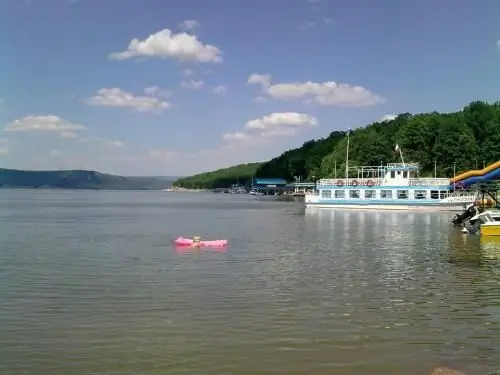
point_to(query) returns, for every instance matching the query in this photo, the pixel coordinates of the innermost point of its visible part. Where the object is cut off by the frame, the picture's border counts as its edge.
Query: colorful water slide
(490, 173)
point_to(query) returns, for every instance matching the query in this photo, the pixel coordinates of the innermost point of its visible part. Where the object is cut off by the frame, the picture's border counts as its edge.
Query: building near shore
(270, 185)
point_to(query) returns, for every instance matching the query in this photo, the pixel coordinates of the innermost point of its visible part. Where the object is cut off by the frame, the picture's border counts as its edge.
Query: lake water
(90, 284)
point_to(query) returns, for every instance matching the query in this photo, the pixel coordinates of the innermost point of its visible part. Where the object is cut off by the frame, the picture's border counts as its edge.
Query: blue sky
(246, 81)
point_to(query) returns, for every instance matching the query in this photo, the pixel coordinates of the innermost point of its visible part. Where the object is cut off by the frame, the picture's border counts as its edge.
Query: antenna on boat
(347, 157)
(398, 149)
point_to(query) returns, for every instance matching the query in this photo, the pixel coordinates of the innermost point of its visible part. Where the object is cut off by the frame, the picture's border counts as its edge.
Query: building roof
(270, 181)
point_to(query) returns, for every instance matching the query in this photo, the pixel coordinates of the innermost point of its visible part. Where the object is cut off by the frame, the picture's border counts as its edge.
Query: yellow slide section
(475, 173)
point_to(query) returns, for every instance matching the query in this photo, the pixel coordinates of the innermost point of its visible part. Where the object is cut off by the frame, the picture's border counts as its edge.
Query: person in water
(196, 241)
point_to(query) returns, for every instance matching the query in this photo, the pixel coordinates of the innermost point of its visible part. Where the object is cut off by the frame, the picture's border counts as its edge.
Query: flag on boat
(397, 147)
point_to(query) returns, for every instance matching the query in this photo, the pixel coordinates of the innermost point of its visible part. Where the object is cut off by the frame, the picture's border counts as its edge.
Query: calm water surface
(90, 284)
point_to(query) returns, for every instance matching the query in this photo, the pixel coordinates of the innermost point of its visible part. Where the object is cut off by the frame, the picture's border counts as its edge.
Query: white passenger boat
(395, 186)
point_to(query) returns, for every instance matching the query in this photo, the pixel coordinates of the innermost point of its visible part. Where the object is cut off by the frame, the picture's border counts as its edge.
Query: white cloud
(165, 44)
(328, 20)
(4, 151)
(106, 156)
(187, 72)
(193, 85)
(498, 43)
(276, 120)
(106, 143)
(327, 93)
(158, 92)
(277, 124)
(388, 117)
(48, 123)
(234, 136)
(69, 135)
(115, 143)
(220, 90)
(189, 25)
(259, 79)
(116, 97)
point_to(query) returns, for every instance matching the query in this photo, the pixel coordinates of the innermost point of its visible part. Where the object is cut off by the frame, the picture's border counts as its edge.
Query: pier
(301, 188)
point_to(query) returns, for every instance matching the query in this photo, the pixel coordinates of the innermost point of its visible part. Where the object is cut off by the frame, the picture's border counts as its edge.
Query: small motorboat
(181, 241)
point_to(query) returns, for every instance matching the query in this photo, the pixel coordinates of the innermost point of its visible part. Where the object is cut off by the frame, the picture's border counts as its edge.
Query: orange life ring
(354, 183)
(340, 183)
(369, 183)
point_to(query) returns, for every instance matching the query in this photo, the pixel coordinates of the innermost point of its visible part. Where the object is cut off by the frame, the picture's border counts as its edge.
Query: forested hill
(470, 138)
(221, 178)
(77, 179)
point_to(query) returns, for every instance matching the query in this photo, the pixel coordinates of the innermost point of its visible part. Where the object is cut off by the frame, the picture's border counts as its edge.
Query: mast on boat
(398, 149)
(347, 156)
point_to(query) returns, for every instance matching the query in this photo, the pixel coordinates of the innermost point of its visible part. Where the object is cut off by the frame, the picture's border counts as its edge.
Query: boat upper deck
(391, 175)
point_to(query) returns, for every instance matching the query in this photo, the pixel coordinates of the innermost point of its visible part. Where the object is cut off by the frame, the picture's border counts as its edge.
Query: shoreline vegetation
(220, 178)
(439, 142)
(466, 139)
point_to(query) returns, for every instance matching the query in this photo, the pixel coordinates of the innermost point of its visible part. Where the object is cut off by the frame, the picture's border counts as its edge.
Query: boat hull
(490, 229)
(451, 203)
(394, 207)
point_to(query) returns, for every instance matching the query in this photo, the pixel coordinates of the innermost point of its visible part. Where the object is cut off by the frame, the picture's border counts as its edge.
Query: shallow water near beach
(90, 284)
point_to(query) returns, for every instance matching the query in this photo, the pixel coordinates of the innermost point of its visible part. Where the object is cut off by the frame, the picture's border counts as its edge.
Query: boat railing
(400, 165)
(350, 182)
(429, 181)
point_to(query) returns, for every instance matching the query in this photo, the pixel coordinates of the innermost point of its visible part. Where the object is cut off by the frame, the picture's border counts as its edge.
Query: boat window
(434, 194)
(443, 194)
(370, 194)
(393, 174)
(339, 194)
(326, 193)
(405, 174)
(386, 194)
(354, 194)
(420, 194)
(402, 194)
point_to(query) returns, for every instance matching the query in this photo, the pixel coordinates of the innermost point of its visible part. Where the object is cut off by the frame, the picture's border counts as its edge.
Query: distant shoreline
(177, 189)
(78, 180)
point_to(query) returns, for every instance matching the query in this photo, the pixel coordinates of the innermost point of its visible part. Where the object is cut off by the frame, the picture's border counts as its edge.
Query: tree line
(467, 139)
(221, 178)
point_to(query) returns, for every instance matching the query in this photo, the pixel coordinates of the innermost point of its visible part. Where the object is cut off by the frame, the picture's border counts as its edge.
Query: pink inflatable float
(181, 241)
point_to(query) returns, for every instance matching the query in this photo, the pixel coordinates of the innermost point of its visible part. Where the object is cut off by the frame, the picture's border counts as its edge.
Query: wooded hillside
(470, 138)
(77, 179)
(221, 178)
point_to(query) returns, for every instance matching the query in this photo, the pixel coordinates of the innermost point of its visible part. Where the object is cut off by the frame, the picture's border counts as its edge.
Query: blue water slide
(490, 176)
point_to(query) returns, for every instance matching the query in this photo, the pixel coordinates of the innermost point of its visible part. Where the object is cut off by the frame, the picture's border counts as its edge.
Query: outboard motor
(470, 211)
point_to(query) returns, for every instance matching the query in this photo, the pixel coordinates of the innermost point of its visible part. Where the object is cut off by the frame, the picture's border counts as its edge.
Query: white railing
(341, 182)
(401, 165)
(429, 181)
